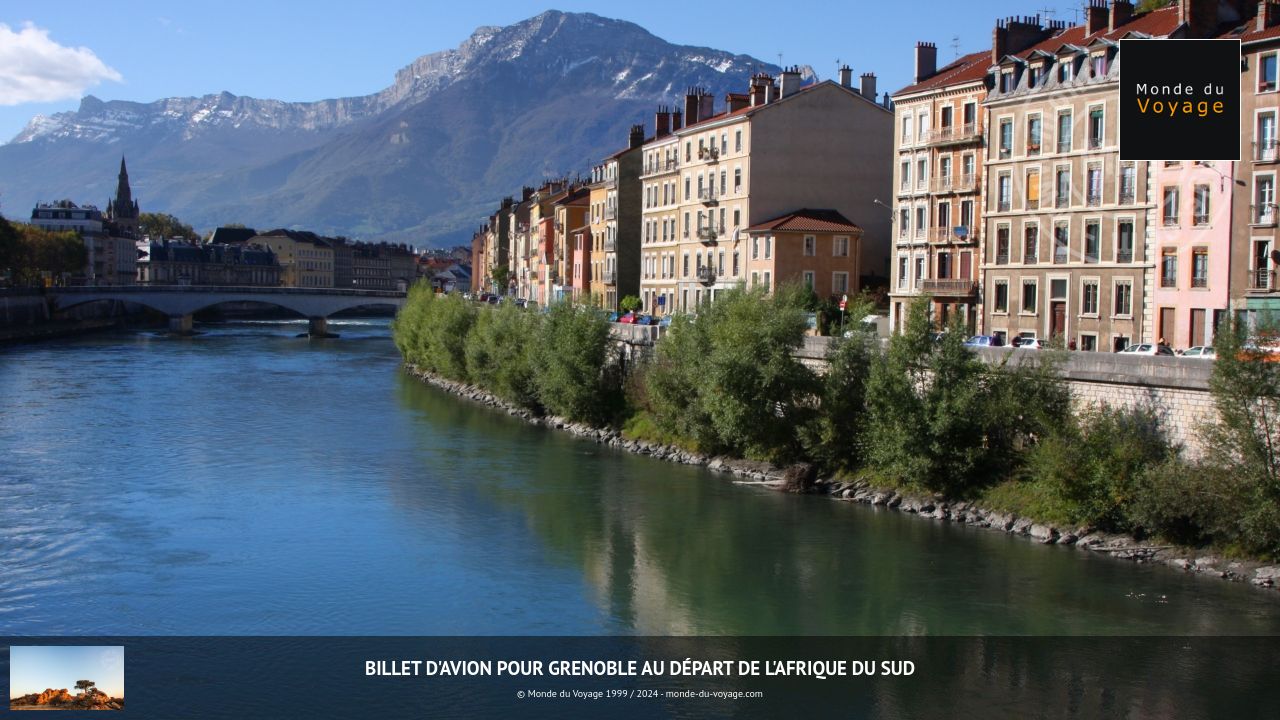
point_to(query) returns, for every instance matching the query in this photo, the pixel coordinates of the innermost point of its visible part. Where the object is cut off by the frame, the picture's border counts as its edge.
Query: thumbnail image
(66, 677)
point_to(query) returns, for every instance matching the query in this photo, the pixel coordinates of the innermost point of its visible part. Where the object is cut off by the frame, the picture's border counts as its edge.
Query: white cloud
(34, 68)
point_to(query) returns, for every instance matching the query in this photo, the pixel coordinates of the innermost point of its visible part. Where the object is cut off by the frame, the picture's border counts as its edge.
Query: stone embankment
(800, 478)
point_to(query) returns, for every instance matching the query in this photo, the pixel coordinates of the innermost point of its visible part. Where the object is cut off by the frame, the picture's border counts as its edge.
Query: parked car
(1205, 352)
(628, 319)
(645, 320)
(614, 317)
(664, 321)
(1148, 349)
(984, 341)
(1028, 343)
(494, 299)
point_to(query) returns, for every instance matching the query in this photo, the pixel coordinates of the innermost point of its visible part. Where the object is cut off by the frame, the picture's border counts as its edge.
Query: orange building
(819, 248)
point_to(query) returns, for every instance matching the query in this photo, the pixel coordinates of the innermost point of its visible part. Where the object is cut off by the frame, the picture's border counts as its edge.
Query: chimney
(1268, 14)
(706, 104)
(526, 193)
(735, 101)
(1200, 17)
(758, 83)
(770, 92)
(1095, 16)
(636, 139)
(790, 81)
(1015, 34)
(846, 76)
(868, 88)
(926, 60)
(1121, 11)
(677, 121)
(662, 122)
(691, 106)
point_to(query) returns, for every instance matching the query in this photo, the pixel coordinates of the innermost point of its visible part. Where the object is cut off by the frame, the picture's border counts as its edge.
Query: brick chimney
(1200, 17)
(846, 76)
(868, 87)
(1015, 34)
(662, 122)
(706, 104)
(759, 82)
(636, 138)
(1096, 16)
(1268, 15)
(789, 81)
(770, 92)
(692, 104)
(677, 120)
(736, 101)
(1121, 11)
(926, 60)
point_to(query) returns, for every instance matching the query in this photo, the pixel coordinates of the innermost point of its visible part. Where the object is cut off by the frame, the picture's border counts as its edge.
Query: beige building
(305, 259)
(776, 149)
(1255, 287)
(937, 179)
(593, 274)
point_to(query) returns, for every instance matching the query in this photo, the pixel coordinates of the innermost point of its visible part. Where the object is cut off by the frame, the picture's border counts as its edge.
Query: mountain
(421, 161)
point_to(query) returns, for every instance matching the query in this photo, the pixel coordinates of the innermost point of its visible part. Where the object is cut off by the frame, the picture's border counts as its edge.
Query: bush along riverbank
(923, 427)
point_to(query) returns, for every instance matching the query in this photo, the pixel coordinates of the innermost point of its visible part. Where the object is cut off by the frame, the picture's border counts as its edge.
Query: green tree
(499, 352)
(446, 322)
(163, 225)
(84, 685)
(837, 436)
(569, 364)
(501, 276)
(630, 303)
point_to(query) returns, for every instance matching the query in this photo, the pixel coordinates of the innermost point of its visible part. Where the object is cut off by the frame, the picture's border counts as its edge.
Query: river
(249, 482)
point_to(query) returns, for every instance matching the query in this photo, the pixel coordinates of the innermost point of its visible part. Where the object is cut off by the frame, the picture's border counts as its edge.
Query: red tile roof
(966, 69)
(807, 220)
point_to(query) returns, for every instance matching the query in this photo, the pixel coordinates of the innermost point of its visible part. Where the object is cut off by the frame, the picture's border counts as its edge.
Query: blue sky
(51, 54)
(34, 669)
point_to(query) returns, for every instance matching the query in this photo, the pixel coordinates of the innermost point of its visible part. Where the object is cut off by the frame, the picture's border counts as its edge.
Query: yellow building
(305, 259)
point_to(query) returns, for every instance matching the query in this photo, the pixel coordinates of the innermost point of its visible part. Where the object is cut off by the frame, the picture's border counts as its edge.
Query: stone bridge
(180, 302)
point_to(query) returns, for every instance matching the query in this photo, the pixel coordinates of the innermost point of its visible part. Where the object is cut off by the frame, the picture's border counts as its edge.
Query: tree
(569, 364)
(838, 434)
(501, 275)
(84, 685)
(163, 225)
(630, 303)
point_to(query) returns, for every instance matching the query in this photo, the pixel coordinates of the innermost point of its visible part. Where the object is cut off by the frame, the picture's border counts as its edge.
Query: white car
(1029, 343)
(1147, 349)
(1205, 352)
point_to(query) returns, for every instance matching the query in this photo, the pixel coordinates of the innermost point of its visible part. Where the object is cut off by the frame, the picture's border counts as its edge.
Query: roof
(965, 69)
(1248, 32)
(807, 220)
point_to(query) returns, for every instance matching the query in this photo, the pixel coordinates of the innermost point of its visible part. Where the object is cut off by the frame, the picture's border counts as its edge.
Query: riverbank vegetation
(923, 415)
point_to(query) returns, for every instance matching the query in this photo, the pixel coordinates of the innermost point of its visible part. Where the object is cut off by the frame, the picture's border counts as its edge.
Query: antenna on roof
(955, 45)
(780, 59)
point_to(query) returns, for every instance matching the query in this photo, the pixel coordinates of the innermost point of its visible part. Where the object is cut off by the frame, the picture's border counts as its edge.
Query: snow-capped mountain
(420, 160)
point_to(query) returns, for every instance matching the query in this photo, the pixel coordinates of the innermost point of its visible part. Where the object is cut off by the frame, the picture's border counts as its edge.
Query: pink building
(581, 267)
(1191, 250)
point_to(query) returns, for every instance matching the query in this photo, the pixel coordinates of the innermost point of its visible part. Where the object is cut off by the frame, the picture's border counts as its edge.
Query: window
(905, 182)
(1096, 132)
(839, 283)
(902, 272)
(922, 221)
(1064, 71)
(1004, 190)
(1202, 205)
(735, 263)
(1062, 193)
(1200, 268)
(1124, 241)
(1088, 342)
(840, 246)
(1031, 244)
(1265, 200)
(944, 217)
(904, 222)
(1168, 268)
(808, 279)
(1093, 185)
(966, 215)
(1064, 132)
(686, 264)
(922, 173)
(1006, 81)
(944, 266)
(737, 180)
(1089, 297)
(1033, 135)
(906, 129)
(1033, 75)
(919, 269)
(1267, 72)
(1099, 63)
(768, 247)
(1002, 245)
(1128, 183)
(737, 217)
(1006, 138)
(1092, 240)
(970, 116)
(686, 187)
(1124, 298)
(944, 170)
(1061, 243)
(766, 281)
(1170, 206)
(1029, 290)
(1032, 200)
(737, 141)
(810, 245)
(1002, 296)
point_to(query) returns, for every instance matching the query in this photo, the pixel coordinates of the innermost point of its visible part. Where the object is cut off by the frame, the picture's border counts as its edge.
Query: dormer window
(1064, 70)
(1006, 81)
(1034, 73)
(1099, 62)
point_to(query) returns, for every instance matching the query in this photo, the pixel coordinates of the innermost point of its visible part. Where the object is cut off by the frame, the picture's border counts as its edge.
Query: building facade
(306, 260)
(818, 248)
(937, 176)
(169, 262)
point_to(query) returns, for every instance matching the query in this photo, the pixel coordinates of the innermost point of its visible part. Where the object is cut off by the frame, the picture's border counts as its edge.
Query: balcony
(1126, 196)
(951, 288)
(1201, 219)
(1032, 203)
(1061, 201)
(1199, 281)
(1263, 214)
(1265, 152)
(1033, 149)
(1005, 153)
(1093, 200)
(1060, 256)
(610, 212)
(1002, 258)
(1095, 143)
(948, 235)
(709, 233)
(953, 135)
(609, 277)
(710, 154)
(1003, 205)
(1064, 146)
(708, 196)
(1261, 280)
(610, 244)
(1124, 255)
(1030, 256)
(706, 274)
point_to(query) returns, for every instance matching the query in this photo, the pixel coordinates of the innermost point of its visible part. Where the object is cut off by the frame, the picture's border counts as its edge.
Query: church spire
(123, 210)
